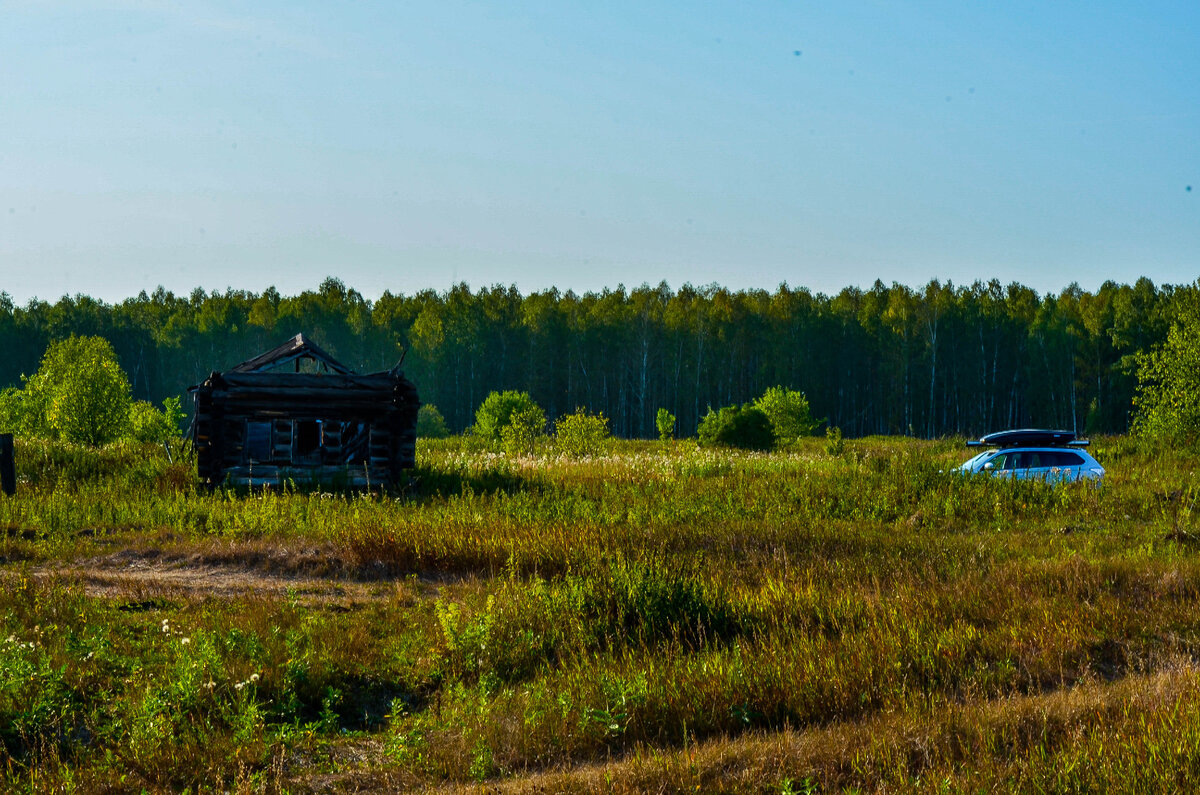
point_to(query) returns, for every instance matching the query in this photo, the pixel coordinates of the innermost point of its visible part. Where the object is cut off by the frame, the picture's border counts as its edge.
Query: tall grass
(540, 611)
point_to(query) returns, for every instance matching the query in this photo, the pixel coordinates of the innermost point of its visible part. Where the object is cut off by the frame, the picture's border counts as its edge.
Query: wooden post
(8, 469)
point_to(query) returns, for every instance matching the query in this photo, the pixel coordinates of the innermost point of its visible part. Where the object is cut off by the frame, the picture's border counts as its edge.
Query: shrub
(788, 412)
(834, 444)
(525, 426)
(665, 422)
(12, 411)
(79, 393)
(430, 423)
(497, 411)
(746, 427)
(581, 433)
(148, 424)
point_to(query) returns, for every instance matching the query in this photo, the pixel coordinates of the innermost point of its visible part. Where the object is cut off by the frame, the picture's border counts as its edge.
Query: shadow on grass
(346, 701)
(441, 484)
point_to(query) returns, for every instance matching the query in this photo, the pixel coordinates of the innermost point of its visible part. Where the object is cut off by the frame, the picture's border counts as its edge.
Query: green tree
(526, 425)
(498, 410)
(1167, 404)
(788, 412)
(430, 422)
(745, 427)
(665, 422)
(581, 433)
(80, 393)
(148, 424)
(12, 411)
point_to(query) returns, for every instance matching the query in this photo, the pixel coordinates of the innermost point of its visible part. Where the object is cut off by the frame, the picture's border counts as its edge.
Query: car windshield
(978, 458)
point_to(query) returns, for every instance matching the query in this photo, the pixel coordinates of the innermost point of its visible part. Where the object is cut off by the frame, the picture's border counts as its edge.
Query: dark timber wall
(267, 427)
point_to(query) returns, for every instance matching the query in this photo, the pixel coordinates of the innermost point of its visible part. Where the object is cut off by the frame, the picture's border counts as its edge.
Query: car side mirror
(989, 466)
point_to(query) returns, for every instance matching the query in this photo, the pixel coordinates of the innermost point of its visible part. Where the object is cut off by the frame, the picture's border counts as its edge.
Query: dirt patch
(149, 575)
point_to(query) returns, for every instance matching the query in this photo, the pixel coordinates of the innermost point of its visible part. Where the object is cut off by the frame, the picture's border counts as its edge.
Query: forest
(928, 362)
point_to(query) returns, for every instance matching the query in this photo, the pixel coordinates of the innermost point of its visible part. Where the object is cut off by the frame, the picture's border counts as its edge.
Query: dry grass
(656, 618)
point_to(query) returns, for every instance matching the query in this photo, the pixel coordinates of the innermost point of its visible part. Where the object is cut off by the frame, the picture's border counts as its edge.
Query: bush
(665, 422)
(430, 423)
(745, 427)
(497, 411)
(788, 412)
(12, 411)
(79, 393)
(834, 444)
(525, 426)
(581, 433)
(148, 424)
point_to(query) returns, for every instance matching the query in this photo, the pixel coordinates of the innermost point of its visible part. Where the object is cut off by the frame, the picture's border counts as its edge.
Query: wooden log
(291, 381)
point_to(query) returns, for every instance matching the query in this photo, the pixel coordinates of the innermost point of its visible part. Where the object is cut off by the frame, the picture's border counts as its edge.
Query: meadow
(830, 618)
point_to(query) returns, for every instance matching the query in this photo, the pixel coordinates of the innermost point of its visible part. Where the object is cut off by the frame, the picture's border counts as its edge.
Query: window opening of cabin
(257, 447)
(355, 442)
(306, 439)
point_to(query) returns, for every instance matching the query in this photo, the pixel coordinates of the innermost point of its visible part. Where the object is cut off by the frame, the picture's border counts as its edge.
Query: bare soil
(313, 576)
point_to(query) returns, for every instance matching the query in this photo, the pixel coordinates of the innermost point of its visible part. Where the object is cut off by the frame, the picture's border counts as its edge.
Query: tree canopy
(79, 393)
(1168, 398)
(936, 360)
(746, 427)
(788, 411)
(500, 410)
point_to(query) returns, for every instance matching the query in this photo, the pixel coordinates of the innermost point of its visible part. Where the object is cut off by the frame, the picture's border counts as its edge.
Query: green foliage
(619, 351)
(148, 424)
(789, 413)
(525, 427)
(664, 421)
(1167, 405)
(834, 444)
(745, 427)
(685, 612)
(498, 410)
(581, 433)
(430, 422)
(80, 393)
(12, 411)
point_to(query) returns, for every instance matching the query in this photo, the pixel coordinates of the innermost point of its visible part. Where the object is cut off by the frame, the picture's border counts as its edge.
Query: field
(657, 618)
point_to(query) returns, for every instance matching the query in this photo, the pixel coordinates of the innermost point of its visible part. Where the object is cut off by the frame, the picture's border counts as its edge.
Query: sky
(413, 145)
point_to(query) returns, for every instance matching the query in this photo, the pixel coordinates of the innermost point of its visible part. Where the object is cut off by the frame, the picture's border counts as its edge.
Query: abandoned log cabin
(297, 414)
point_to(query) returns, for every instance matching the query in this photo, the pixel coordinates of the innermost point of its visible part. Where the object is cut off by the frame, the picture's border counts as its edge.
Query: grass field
(657, 618)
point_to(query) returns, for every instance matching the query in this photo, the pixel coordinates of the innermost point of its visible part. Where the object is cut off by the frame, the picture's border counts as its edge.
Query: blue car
(1034, 454)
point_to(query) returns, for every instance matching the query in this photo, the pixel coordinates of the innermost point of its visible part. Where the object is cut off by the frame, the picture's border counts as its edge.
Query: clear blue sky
(410, 145)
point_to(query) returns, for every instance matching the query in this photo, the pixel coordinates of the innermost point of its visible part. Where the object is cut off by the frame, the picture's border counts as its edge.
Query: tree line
(941, 359)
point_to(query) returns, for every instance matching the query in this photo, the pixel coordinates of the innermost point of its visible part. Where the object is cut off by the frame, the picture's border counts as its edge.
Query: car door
(1006, 465)
(1038, 465)
(1068, 465)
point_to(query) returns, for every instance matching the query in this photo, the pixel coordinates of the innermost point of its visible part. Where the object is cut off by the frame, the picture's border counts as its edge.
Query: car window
(1063, 458)
(1010, 461)
(1034, 459)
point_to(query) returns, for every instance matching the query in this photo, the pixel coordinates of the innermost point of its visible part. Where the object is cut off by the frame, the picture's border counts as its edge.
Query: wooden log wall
(381, 410)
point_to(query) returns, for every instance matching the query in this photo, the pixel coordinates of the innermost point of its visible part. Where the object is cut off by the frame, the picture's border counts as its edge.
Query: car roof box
(1029, 437)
